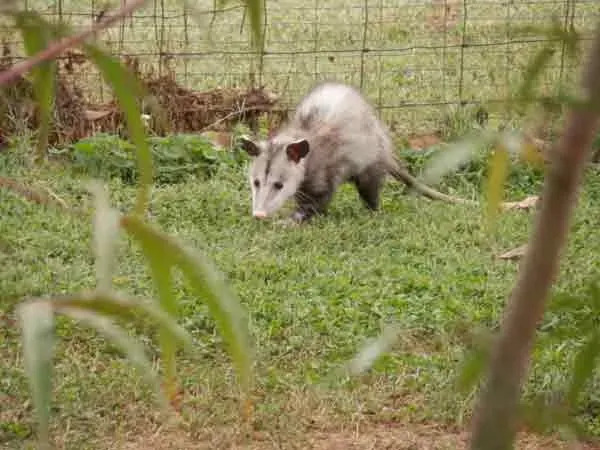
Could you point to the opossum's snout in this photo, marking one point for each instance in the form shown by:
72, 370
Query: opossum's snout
259, 214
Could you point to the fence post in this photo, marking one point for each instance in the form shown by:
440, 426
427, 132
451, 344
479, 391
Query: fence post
263, 41
316, 38
364, 48
462, 55
380, 62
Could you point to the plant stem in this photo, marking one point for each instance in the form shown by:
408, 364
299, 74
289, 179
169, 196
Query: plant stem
495, 419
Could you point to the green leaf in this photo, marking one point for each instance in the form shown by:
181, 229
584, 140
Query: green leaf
472, 368
118, 307
131, 349
583, 369
37, 324
36, 37
161, 266
533, 72
208, 285
128, 90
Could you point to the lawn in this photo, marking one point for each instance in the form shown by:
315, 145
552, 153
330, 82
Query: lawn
314, 295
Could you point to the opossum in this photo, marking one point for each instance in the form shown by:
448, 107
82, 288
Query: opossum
333, 137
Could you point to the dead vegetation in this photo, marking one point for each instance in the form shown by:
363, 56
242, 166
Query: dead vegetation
169, 107
394, 436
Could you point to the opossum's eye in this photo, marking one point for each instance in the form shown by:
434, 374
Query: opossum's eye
278, 185
256, 183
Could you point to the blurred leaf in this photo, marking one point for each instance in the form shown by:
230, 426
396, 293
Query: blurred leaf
584, 365
128, 90
36, 37
531, 154
593, 289
37, 323
208, 285
255, 13
370, 352
544, 416
161, 265
131, 349
455, 155
118, 307
106, 230
495, 183
473, 366
533, 71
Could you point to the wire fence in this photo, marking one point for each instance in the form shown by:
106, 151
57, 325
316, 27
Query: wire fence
416, 60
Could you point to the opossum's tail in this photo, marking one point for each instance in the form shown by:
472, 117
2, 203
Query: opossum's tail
400, 173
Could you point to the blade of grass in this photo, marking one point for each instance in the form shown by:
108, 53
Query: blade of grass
118, 307
208, 285
161, 267
128, 90
37, 324
584, 365
119, 338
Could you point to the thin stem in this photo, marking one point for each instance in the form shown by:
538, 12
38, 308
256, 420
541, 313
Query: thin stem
494, 424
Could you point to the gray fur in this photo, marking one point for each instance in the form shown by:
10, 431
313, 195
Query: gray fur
333, 137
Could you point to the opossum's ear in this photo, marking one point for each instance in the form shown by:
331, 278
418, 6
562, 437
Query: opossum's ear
250, 146
297, 150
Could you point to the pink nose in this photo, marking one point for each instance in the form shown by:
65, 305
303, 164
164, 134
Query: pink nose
260, 214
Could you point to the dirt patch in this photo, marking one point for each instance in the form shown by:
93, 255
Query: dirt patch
389, 436
167, 106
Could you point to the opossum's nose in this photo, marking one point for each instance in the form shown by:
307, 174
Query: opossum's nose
260, 214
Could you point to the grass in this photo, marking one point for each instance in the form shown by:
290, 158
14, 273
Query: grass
314, 294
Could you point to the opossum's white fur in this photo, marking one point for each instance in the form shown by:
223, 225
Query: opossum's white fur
341, 108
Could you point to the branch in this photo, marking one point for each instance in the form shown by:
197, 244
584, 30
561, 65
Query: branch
61, 45
494, 423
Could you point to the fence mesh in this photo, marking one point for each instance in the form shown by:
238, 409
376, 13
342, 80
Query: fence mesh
416, 60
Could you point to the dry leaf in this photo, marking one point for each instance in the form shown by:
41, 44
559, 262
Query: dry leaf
526, 203
95, 115
515, 253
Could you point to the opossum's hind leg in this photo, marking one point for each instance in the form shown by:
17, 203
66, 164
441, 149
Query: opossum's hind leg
368, 183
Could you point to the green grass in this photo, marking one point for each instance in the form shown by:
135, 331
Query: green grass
314, 295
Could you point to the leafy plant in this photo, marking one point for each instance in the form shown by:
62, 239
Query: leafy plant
175, 157
103, 306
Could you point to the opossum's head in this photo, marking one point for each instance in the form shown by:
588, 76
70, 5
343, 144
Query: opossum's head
276, 172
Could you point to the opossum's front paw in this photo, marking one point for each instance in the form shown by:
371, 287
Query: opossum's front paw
289, 222
299, 216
